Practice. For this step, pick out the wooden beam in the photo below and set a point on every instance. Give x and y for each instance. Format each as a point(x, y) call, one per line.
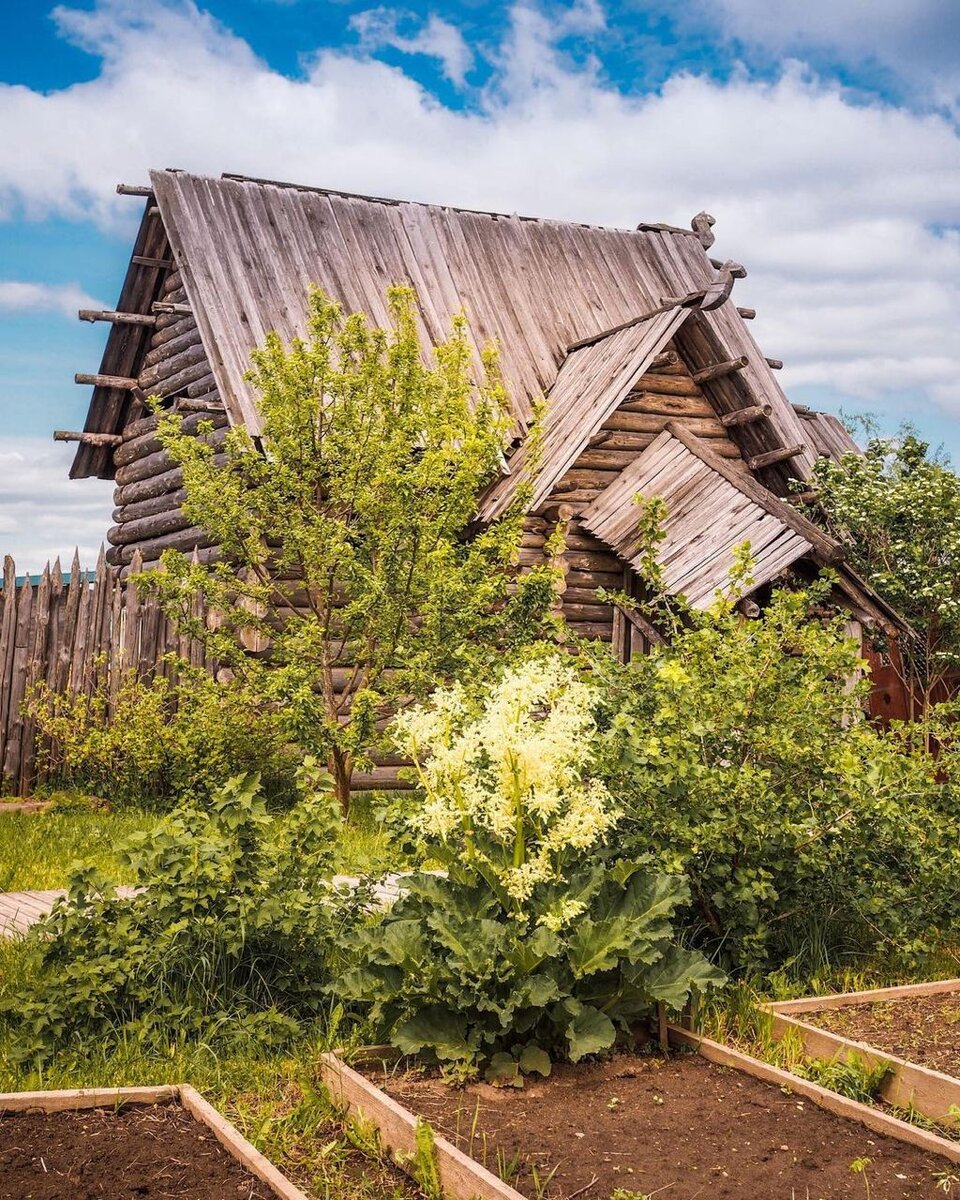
point(88, 439)
point(179, 310)
point(748, 314)
point(132, 189)
point(668, 358)
point(116, 318)
point(744, 416)
point(719, 369)
point(774, 456)
point(775, 364)
point(161, 264)
point(122, 382)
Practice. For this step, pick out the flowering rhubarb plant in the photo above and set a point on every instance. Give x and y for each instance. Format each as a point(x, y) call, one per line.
point(535, 941)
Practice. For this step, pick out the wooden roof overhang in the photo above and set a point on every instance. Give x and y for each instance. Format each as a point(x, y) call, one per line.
point(713, 507)
point(110, 406)
point(248, 251)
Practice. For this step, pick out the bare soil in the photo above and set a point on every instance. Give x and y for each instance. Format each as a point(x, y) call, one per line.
point(680, 1127)
point(921, 1029)
point(156, 1152)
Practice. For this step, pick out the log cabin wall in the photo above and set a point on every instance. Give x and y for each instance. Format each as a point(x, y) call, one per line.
point(149, 486)
point(669, 393)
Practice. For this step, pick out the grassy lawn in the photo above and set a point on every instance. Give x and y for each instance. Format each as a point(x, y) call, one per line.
point(37, 849)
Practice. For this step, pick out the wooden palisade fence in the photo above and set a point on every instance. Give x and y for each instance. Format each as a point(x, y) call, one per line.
point(78, 634)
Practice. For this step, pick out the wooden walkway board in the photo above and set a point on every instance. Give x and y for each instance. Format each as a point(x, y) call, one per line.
point(20, 910)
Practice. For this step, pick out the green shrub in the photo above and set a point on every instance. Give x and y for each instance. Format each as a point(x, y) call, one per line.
point(156, 743)
point(235, 927)
point(742, 757)
point(537, 942)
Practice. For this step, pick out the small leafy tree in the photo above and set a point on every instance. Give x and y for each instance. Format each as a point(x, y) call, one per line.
point(539, 940)
point(741, 756)
point(897, 510)
point(343, 527)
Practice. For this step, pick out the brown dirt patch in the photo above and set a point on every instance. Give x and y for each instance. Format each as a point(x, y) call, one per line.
point(921, 1029)
point(156, 1152)
point(683, 1125)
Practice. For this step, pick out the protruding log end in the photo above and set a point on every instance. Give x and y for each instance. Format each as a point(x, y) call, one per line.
point(775, 364)
point(134, 189)
point(774, 456)
point(747, 314)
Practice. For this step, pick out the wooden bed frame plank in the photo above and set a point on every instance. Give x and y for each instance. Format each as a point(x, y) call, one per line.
point(874, 996)
point(461, 1176)
point(874, 1118)
point(201, 1110)
point(909, 1085)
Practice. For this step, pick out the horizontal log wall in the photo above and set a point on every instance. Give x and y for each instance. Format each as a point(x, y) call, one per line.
point(149, 494)
point(78, 634)
point(669, 393)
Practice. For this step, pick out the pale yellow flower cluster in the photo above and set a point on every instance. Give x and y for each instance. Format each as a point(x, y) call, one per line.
point(505, 779)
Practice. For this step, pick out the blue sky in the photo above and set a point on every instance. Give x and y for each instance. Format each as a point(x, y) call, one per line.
point(824, 141)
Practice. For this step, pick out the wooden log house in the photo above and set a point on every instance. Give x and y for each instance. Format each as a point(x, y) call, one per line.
point(654, 384)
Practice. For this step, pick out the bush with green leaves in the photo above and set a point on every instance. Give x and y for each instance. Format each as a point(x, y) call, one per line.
point(234, 928)
point(537, 941)
point(741, 756)
point(896, 508)
point(156, 742)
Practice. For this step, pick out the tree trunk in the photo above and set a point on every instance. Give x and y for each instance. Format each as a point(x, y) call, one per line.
point(341, 768)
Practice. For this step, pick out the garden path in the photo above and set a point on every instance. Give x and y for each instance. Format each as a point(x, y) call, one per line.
point(20, 910)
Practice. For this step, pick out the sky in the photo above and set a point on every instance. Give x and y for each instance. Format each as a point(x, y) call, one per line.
point(824, 137)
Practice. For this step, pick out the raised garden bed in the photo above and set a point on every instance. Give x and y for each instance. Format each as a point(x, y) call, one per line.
point(164, 1143)
point(913, 1030)
point(715, 1123)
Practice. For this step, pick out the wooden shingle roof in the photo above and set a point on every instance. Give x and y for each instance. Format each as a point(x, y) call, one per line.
point(593, 380)
point(249, 249)
point(711, 509)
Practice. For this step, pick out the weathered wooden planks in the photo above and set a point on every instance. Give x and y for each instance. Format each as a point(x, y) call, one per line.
point(709, 514)
point(74, 635)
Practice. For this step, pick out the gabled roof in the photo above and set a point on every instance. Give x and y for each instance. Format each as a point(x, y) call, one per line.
point(593, 380)
point(711, 509)
point(249, 249)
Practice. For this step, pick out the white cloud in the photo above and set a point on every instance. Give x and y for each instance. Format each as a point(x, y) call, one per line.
point(844, 211)
point(20, 296)
point(436, 38)
point(916, 40)
point(44, 514)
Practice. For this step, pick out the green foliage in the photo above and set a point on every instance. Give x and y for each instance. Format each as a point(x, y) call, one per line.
point(851, 1077)
point(156, 742)
point(343, 528)
point(897, 510)
point(741, 757)
point(233, 927)
point(537, 942)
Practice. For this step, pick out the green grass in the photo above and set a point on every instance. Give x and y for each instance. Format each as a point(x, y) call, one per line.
point(37, 849)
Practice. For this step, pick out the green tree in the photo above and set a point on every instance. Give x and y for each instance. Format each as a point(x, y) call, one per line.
point(741, 756)
point(897, 510)
point(347, 565)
